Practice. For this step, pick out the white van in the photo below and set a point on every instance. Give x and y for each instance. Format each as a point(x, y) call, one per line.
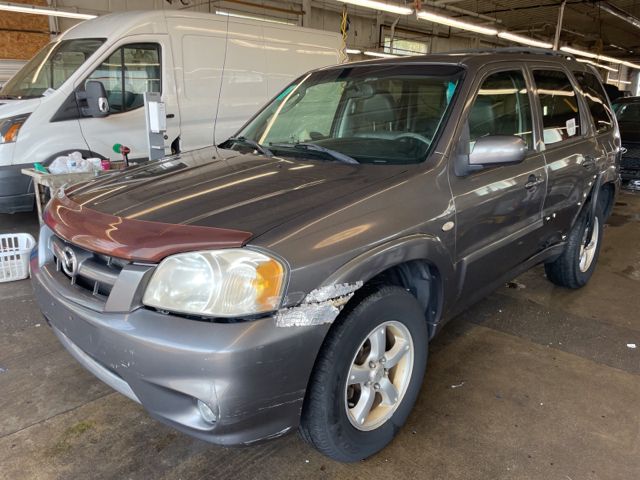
point(213, 72)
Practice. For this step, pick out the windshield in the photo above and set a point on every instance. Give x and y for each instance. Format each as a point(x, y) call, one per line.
point(50, 68)
point(373, 114)
point(628, 112)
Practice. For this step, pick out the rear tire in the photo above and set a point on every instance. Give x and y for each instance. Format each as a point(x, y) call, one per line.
point(365, 382)
point(574, 267)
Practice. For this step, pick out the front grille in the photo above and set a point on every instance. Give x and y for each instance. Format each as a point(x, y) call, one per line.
point(86, 270)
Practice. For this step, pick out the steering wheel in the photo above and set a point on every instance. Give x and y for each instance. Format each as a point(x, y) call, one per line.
point(414, 136)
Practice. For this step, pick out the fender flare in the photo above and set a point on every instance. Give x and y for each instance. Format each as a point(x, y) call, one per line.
point(424, 247)
point(400, 250)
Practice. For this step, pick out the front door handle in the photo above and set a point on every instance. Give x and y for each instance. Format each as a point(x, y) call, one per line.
point(533, 182)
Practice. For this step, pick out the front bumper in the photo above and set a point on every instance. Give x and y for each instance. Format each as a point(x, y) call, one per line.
point(254, 371)
point(16, 190)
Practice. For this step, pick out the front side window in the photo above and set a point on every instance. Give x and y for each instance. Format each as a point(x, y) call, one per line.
point(559, 106)
point(502, 107)
point(597, 101)
point(50, 68)
point(372, 114)
point(128, 73)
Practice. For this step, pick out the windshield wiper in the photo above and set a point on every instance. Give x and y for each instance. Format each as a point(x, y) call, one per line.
point(341, 157)
point(245, 141)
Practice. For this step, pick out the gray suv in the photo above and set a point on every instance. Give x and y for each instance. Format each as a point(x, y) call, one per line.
point(293, 276)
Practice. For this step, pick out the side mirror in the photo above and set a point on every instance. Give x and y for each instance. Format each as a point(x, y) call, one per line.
point(96, 98)
point(497, 150)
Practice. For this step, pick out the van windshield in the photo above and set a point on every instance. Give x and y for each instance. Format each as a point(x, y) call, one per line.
point(387, 114)
point(50, 68)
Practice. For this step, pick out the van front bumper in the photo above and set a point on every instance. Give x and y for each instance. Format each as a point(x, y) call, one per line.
point(16, 190)
point(254, 372)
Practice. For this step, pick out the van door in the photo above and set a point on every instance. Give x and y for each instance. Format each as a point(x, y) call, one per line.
point(570, 150)
point(127, 71)
point(199, 47)
point(498, 209)
point(244, 82)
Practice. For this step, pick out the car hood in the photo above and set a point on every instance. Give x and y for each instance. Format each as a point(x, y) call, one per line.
point(225, 189)
point(9, 108)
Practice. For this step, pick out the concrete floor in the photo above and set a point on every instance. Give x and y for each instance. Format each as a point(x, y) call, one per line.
point(535, 382)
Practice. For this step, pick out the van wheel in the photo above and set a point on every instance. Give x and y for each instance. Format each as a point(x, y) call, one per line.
point(574, 267)
point(367, 376)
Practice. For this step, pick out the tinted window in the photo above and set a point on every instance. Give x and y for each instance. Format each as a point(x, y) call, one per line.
point(128, 73)
point(502, 107)
point(559, 106)
point(596, 100)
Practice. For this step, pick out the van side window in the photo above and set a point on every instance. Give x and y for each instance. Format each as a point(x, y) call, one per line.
point(502, 107)
point(597, 101)
point(128, 73)
point(559, 106)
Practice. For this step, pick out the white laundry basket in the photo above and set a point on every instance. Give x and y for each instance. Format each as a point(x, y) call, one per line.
point(15, 249)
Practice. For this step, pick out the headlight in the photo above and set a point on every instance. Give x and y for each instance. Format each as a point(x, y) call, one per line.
point(218, 283)
point(9, 127)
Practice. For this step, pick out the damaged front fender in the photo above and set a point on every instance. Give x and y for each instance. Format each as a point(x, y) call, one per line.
point(322, 305)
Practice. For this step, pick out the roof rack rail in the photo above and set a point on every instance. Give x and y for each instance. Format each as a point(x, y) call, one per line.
point(531, 50)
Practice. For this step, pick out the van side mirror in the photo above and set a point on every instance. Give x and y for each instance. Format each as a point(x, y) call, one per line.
point(96, 97)
point(497, 150)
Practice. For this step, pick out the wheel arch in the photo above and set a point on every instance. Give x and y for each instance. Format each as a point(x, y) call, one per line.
point(414, 262)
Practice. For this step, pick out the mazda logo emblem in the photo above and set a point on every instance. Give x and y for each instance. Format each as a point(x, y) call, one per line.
point(69, 262)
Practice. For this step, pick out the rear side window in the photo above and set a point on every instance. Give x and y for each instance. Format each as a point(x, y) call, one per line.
point(502, 107)
point(559, 106)
point(596, 100)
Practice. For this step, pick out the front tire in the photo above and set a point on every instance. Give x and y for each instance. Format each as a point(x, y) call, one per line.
point(574, 267)
point(368, 375)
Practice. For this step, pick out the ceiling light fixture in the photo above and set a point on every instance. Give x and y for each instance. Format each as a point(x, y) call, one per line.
point(452, 22)
point(50, 12)
point(383, 6)
point(524, 40)
point(595, 64)
point(603, 58)
point(353, 51)
point(379, 54)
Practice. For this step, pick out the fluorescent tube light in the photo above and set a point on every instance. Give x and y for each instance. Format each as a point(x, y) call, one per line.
point(595, 64)
point(383, 6)
point(603, 58)
point(353, 51)
point(524, 40)
point(50, 12)
point(575, 51)
point(251, 17)
point(452, 22)
point(379, 54)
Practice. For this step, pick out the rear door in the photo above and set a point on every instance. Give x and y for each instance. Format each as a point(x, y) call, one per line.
point(570, 150)
point(499, 209)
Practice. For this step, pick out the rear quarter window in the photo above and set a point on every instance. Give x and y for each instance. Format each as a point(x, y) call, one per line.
point(597, 101)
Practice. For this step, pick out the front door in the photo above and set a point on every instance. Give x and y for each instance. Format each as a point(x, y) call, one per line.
point(498, 209)
point(128, 71)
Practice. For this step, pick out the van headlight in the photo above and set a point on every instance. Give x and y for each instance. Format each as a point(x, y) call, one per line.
point(10, 126)
point(217, 283)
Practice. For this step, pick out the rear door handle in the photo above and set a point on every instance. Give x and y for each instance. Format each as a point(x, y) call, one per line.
point(533, 182)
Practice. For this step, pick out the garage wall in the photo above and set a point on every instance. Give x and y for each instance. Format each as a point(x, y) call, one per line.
point(21, 36)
